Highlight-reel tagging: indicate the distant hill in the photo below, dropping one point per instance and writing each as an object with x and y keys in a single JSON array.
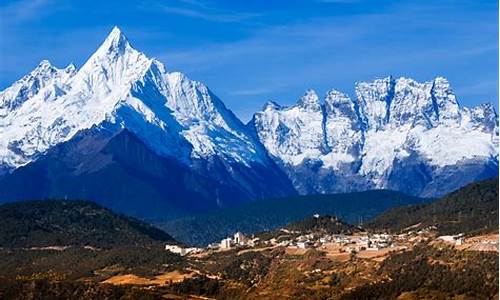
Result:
[
  {"x": 471, "y": 209},
  {"x": 267, "y": 215},
  {"x": 323, "y": 224},
  {"x": 65, "y": 223}
]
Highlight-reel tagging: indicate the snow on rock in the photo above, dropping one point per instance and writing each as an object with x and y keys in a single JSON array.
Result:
[
  {"x": 391, "y": 120},
  {"x": 292, "y": 133},
  {"x": 363, "y": 142},
  {"x": 374, "y": 100},
  {"x": 343, "y": 129},
  {"x": 120, "y": 87},
  {"x": 43, "y": 76}
]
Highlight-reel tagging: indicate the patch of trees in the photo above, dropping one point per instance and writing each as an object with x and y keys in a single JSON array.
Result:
[
  {"x": 269, "y": 214},
  {"x": 45, "y": 289},
  {"x": 198, "y": 285},
  {"x": 78, "y": 223},
  {"x": 325, "y": 224},
  {"x": 472, "y": 209},
  {"x": 438, "y": 271},
  {"x": 76, "y": 263}
]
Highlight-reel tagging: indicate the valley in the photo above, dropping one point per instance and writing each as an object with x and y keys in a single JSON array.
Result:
[
  {"x": 319, "y": 257},
  {"x": 122, "y": 178}
]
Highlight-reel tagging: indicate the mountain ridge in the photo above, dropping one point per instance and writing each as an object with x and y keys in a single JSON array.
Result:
[
  {"x": 396, "y": 134},
  {"x": 372, "y": 139},
  {"x": 175, "y": 117}
]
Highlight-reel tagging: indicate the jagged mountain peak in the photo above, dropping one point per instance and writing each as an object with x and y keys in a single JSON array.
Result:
[
  {"x": 116, "y": 41},
  {"x": 271, "y": 105},
  {"x": 115, "y": 62},
  {"x": 44, "y": 64},
  {"x": 178, "y": 119},
  {"x": 391, "y": 123},
  {"x": 71, "y": 68},
  {"x": 43, "y": 76},
  {"x": 119, "y": 85},
  {"x": 378, "y": 83},
  {"x": 335, "y": 96},
  {"x": 309, "y": 101},
  {"x": 441, "y": 80}
]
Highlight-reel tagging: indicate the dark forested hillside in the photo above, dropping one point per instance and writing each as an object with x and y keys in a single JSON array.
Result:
[
  {"x": 323, "y": 224},
  {"x": 471, "y": 209},
  {"x": 75, "y": 223},
  {"x": 267, "y": 215}
]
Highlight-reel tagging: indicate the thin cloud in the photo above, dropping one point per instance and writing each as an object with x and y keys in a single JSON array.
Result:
[
  {"x": 23, "y": 10},
  {"x": 209, "y": 15},
  {"x": 252, "y": 92},
  {"x": 200, "y": 10}
]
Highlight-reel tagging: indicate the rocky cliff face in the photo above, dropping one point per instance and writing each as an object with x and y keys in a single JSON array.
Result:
[{"x": 397, "y": 133}]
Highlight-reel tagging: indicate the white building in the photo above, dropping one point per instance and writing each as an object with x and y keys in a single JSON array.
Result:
[
  {"x": 180, "y": 250},
  {"x": 303, "y": 245},
  {"x": 239, "y": 238},
  {"x": 455, "y": 239},
  {"x": 213, "y": 246},
  {"x": 226, "y": 243},
  {"x": 176, "y": 249}
]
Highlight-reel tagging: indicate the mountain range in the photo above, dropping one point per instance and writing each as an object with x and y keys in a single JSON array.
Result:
[{"x": 123, "y": 131}]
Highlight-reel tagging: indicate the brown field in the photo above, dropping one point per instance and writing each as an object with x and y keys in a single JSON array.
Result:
[
  {"x": 487, "y": 242},
  {"x": 160, "y": 280}
]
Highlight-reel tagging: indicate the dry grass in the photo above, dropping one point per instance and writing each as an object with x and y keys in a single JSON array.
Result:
[{"x": 160, "y": 280}]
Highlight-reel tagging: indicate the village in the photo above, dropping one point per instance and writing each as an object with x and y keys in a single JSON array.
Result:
[{"x": 363, "y": 243}]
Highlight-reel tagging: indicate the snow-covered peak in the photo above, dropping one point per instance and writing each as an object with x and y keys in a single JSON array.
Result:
[
  {"x": 120, "y": 87},
  {"x": 411, "y": 104},
  {"x": 112, "y": 68},
  {"x": 446, "y": 103},
  {"x": 404, "y": 101},
  {"x": 336, "y": 101},
  {"x": 339, "y": 106},
  {"x": 389, "y": 120},
  {"x": 310, "y": 101},
  {"x": 115, "y": 42},
  {"x": 374, "y": 100},
  {"x": 482, "y": 117},
  {"x": 71, "y": 68},
  {"x": 292, "y": 133},
  {"x": 44, "y": 75},
  {"x": 43, "y": 65},
  {"x": 271, "y": 105}
]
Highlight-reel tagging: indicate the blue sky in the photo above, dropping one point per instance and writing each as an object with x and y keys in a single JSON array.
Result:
[{"x": 248, "y": 52}]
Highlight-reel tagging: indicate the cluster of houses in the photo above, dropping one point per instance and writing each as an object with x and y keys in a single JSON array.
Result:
[
  {"x": 183, "y": 250},
  {"x": 346, "y": 243},
  {"x": 352, "y": 243},
  {"x": 238, "y": 239},
  {"x": 349, "y": 243}
]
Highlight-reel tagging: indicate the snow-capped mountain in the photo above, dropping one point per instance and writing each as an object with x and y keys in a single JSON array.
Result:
[
  {"x": 121, "y": 88},
  {"x": 120, "y": 85},
  {"x": 124, "y": 131},
  {"x": 44, "y": 75},
  {"x": 397, "y": 134}
]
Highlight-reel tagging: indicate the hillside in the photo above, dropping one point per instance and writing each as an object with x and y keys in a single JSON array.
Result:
[
  {"x": 271, "y": 214},
  {"x": 471, "y": 209},
  {"x": 323, "y": 224},
  {"x": 71, "y": 223}
]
